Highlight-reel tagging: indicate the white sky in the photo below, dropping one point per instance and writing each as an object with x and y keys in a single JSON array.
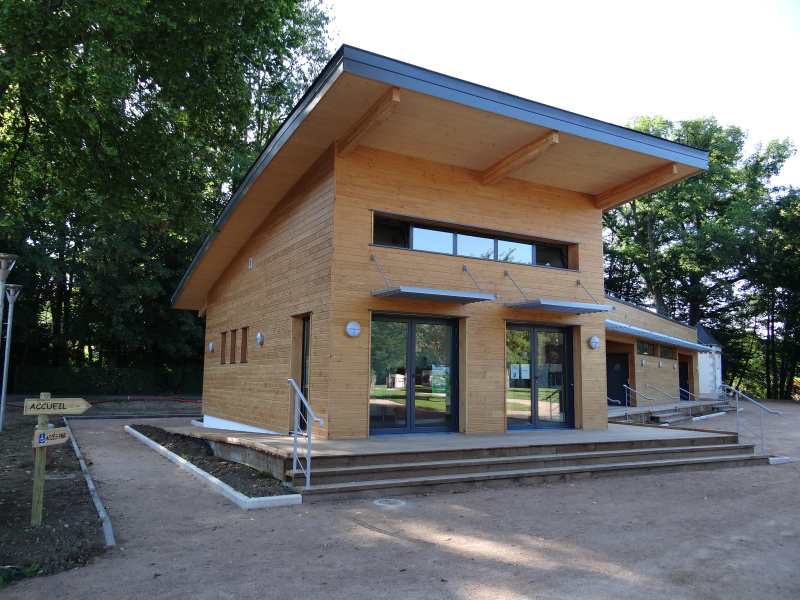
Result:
[{"x": 607, "y": 59}]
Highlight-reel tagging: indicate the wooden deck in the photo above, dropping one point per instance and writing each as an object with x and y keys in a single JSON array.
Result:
[{"x": 282, "y": 446}]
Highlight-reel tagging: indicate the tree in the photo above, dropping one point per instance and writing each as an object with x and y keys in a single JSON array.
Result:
[
  {"x": 717, "y": 249},
  {"x": 125, "y": 126}
]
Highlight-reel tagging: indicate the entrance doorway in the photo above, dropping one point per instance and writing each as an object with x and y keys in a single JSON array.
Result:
[
  {"x": 617, "y": 377},
  {"x": 683, "y": 380},
  {"x": 538, "y": 377},
  {"x": 413, "y": 375}
]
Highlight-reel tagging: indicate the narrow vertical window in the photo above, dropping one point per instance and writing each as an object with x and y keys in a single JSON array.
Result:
[
  {"x": 243, "y": 349},
  {"x": 233, "y": 346},
  {"x": 222, "y": 347}
]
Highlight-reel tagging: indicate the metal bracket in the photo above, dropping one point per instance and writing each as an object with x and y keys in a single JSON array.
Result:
[
  {"x": 588, "y": 292},
  {"x": 473, "y": 279},
  {"x": 515, "y": 283},
  {"x": 381, "y": 270}
]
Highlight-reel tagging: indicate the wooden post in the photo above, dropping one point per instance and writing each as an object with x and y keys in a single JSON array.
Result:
[{"x": 38, "y": 471}]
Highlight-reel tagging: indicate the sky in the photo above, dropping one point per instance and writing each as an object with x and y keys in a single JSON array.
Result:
[{"x": 611, "y": 60}]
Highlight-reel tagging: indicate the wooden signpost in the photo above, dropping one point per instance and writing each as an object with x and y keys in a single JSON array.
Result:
[{"x": 43, "y": 437}]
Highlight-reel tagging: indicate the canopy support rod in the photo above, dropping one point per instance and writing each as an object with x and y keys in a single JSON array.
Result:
[
  {"x": 515, "y": 283},
  {"x": 381, "y": 270},
  {"x": 473, "y": 279},
  {"x": 588, "y": 292}
]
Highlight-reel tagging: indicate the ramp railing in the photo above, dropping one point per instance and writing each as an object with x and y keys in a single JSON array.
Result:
[
  {"x": 676, "y": 399},
  {"x": 749, "y": 416},
  {"x": 629, "y": 391},
  {"x": 302, "y": 430}
]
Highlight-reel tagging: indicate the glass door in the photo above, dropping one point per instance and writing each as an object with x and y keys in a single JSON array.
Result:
[
  {"x": 539, "y": 377},
  {"x": 412, "y": 375}
]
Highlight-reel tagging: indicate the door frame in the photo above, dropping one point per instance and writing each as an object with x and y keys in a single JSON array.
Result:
[
  {"x": 569, "y": 379},
  {"x": 411, "y": 321}
]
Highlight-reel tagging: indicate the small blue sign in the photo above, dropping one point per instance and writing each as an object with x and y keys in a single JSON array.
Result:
[{"x": 41, "y": 438}]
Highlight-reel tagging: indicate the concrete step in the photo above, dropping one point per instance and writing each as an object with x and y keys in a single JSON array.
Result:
[
  {"x": 435, "y": 468},
  {"x": 457, "y": 482}
]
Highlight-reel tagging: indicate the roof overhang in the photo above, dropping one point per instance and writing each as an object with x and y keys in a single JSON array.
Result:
[
  {"x": 653, "y": 336},
  {"x": 368, "y": 100},
  {"x": 406, "y": 292},
  {"x": 563, "y": 306}
]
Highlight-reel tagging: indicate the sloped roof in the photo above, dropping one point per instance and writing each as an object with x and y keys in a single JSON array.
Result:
[
  {"x": 366, "y": 99},
  {"x": 705, "y": 338}
]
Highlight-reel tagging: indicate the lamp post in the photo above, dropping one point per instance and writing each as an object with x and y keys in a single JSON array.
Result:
[
  {"x": 12, "y": 291},
  {"x": 6, "y": 264}
]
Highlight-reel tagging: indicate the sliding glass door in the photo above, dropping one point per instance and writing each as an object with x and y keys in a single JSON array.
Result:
[
  {"x": 413, "y": 374},
  {"x": 538, "y": 377}
]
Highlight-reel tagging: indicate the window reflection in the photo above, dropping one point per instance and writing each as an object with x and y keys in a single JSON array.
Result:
[
  {"x": 515, "y": 252},
  {"x": 472, "y": 245},
  {"x": 433, "y": 240}
]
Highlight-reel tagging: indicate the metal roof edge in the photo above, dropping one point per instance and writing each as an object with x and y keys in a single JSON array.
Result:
[
  {"x": 647, "y": 310},
  {"x": 394, "y": 72},
  {"x": 654, "y": 335}
]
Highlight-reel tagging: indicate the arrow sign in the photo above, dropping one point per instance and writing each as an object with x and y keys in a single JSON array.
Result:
[
  {"x": 50, "y": 437},
  {"x": 56, "y": 406}
]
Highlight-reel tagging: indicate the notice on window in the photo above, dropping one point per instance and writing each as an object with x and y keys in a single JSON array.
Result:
[
  {"x": 440, "y": 379},
  {"x": 525, "y": 372},
  {"x": 515, "y": 372}
]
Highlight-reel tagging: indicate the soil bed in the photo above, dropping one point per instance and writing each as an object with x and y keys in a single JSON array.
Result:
[{"x": 247, "y": 480}]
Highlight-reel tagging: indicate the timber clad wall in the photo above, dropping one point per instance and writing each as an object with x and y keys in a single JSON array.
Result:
[
  {"x": 291, "y": 274},
  {"x": 370, "y": 180},
  {"x": 664, "y": 377}
]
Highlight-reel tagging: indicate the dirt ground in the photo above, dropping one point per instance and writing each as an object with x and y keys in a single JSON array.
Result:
[{"x": 730, "y": 533}]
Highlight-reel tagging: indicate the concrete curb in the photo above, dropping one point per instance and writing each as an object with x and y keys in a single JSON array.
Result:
[
  {"x": 223, "y": 488},
  {"x": 101, "y": 510}
]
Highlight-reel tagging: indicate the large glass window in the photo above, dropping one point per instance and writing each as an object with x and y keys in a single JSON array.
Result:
[{"x": 398, "y": 233}]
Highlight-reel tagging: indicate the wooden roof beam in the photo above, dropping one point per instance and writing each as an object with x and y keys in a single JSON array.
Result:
[
  {"x": 636, "y": 187},
  {"x": 376, "y": 115},
  {"x": 520, "y": 158}
]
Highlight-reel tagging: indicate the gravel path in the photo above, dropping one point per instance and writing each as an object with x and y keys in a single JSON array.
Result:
[{"x": 730, "y": 533}]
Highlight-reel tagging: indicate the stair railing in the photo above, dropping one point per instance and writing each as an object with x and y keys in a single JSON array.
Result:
[
  {"x": 629, "y": 391},
  {"x": 675, "y": 398},
  {"x": 748, "y": 425},
  {"x": 302, "y": 429}
]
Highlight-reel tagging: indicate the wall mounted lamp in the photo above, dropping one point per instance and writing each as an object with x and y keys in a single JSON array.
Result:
[
  {"x": 644, "y": 362},
  {"x": 660, "y": 364},
  {"x": 210, "y": 346},
  {"x": 594, "y": 342},
  {"x": 260, "y": 338},
  {"x": 353, "y": 328}
]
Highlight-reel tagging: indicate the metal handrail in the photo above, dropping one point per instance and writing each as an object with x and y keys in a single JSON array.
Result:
[
  {"x": 300, "y": 431},
  {"x": 610, "y": 399},
  {"x": 680, "y": 389},
  {"x": 743, "y": 425},
  {"x": 630, "y": 389},
  {"x": 676, "y": 398}
]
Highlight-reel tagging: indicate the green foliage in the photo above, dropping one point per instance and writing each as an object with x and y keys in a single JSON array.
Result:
[
  {"x": 124, "y": 128},
  {"x": 716, "y": 248},
  {"x": 95, "y": 380}
]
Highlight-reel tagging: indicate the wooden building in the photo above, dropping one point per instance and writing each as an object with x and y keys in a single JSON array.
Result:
[{"x": 420, "y": 254}]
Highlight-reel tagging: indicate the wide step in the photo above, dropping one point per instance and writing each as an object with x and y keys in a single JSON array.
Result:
[
  {"x": 412, "y": 485},
  {"x": 435, "y": 468}
]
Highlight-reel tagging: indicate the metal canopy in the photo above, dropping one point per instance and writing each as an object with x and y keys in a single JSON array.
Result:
[
  {"x": 405, "y": 292},
  {"x": 652, "y": 335},
  {"x": 575, "y": 308}
]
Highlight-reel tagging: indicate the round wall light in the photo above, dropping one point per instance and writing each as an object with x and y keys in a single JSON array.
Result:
[
  {"x": 674, "y": 365},
  {"x": 660, "y": 364},
  {"x": 210, "y": 346},
  {"x": 260, "y": 338},
  {"x": 594, "y": 342},
  {"x": 644, "y": 362},
  {"x": 353, "y": 328}
]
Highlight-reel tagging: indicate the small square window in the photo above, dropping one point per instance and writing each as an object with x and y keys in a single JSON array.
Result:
[
  {"x": 666, "y": 352},
  {"x": 645, "y": 348}
]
